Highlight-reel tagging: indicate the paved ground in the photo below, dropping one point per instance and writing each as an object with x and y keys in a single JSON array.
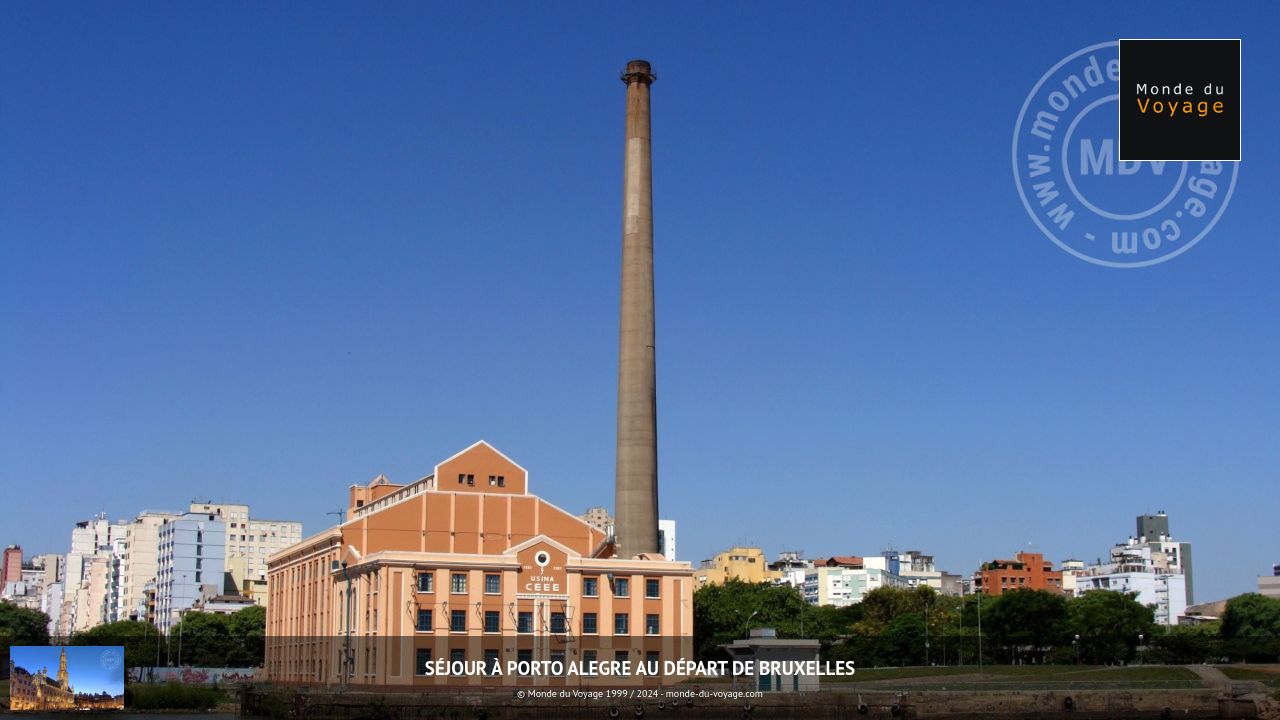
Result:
[{"x": 1212, "y": 676}]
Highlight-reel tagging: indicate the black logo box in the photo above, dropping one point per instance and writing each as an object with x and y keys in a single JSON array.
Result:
[{"x": 1209, "y": 132}]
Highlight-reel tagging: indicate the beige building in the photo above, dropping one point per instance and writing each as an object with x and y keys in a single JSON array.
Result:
[
  {"x": 465, "y": 565},
  {"x": 1269, "y": 585},
  {"x": 743, "y": 563},
  {"x": 138, "y": 562},
  {"x": 248, "y": 544},
  {"x": 598, "y": 518}
]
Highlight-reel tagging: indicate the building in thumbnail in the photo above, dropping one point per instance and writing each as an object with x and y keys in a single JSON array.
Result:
[
  {"x": 1025, "y": 571},
  {"x": 464, "y": 564},
  {"x": 38, "y": 691}
]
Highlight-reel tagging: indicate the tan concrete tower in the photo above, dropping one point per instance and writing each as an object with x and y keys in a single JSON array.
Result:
[{"x": 636, "y": 489}]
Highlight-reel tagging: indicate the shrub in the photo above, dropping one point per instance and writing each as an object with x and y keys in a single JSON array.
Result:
[{"x": 171, "y": 696}]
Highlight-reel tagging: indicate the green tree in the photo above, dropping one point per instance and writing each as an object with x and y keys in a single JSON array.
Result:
[
  {"x": 724, "y": 613},
  {"x": 1251, "y": 616},
  {"x": 1109, "y": 624},
  {"x": 1187, "y": 644},
  {"x": 140, "y": 640},
  {"x": 21, "y": 626},
  {"x": 201, "y": 639},
  {"x": 1251, "y": 628},
  {"x": 248, "y": 628},
  {"x": 1026, "y": 623}
]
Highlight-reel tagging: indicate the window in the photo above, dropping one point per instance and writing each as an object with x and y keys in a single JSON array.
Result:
[
  {"x": 558, "y": 623},
  {"x": 621, "y": 623},
  {"x": 557, "y": 656},
  {"x": 458, "y": 621},
  {"x": 462, "y": 477},
  {"x": 588, "y": 657},
  {"x": 620, "y": 656},
  {"x": 502, "y": 481},
  {"x": 652, "y": 588},
  {"x": 492, "y": 584},
  {"x": 458, "y": 583},
  {"x": 524, "y": 622},
  {"x": 590, "y": 587},
  {"x": 491, "y": 662},
  {"x": 471, "y": 480},
  {"x": 652, "y": 658},
  {"x": 457, "y": 655},
  {"x": 493, "y": 479},
  {"x": 426, "y": 582},
  {"x": 651, "y": 624},
  {"x": 622, "y": 587},
  {"x": 424, "y": 621},
  {"x": 590, "y": 623},
  {"x": 491, "y": 621},
  {"x": 423, "y": 657},
  {"x": 524, "y": 656}
]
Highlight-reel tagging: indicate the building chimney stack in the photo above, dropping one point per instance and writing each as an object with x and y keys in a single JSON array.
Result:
[{"x": 636, "y": 481}]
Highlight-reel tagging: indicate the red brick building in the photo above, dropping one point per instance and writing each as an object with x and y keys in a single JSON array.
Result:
[{"x": 1026, "y": 571}]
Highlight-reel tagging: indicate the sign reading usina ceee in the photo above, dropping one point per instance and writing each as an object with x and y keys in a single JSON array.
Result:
[{"x": 542, "y": 571}]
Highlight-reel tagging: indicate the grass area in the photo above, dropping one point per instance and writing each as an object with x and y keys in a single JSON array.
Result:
[
  {"x": 1268, "y": 675},
  {"x": 1020, "y": 677}
]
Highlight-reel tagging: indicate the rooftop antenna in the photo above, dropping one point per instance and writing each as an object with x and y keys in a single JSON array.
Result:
[{"x": 342, "y": 515}]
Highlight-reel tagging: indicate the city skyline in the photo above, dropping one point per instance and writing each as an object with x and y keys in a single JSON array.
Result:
[{"x": 275, "y": 265}]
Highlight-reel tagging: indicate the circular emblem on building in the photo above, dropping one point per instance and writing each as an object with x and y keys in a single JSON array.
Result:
[
  {"x": 1082, "y": 196},
  {"x": 542, "y": 558},
  {"x": 111, "y": 658}
]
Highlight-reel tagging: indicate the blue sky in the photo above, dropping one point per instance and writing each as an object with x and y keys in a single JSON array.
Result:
[
  {"x": 86, "y": 671},
  {"x": 258, "y": 252}
]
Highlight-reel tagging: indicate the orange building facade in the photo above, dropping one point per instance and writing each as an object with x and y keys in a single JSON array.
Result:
[
  {"x": 1026, "y": 571},
  {"x": 465, "y": 565}
]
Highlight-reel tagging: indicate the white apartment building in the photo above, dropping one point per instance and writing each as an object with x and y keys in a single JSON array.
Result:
[
  {"x": 848, "y": 581},
  {"x": 914, "y": 567},
  {"x": 667, "y": 539},
  {"x": 1138, "y": 568}
]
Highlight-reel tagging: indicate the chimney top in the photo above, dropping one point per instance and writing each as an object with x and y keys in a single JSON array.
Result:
[{"x": 638, "y": 71}]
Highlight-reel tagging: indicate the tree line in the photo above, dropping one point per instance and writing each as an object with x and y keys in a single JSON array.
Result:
[
  {"x": 894, "y": 627},
  {"x": 199, "y": 640}
]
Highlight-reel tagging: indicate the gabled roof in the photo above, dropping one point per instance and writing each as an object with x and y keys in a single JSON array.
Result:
[
  {"x": 538, "y": 539},
  {"x": 473, "y": 446}
]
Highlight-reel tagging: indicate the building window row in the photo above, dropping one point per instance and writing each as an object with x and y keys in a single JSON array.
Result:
[
  {"x": 493, "y": 585},
  {"x": 524, "y": 622}
]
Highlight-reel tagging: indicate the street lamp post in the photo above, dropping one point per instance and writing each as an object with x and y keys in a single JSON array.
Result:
[
  {"x": 346, "y": 632},
  {"x": 926, "y": 634},
  {"x": 980, "y": 631},
  {"x": 1076, "y": 642}
]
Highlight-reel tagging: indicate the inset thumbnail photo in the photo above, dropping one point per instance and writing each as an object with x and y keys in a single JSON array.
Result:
[{"x": 74, "y": 677}]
